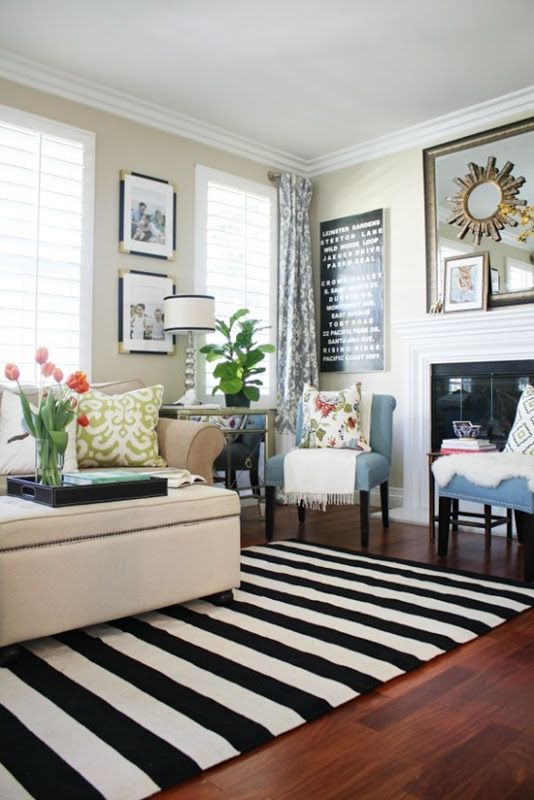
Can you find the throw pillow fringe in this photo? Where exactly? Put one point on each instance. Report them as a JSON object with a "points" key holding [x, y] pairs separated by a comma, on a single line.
{"points": [[318, 501]]}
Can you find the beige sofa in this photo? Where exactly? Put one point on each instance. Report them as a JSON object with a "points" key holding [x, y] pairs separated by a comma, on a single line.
{"points": [[183, 444], [64, 568]]}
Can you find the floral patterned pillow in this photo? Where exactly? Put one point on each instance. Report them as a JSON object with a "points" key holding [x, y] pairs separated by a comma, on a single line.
{"points": [[332, 419]]}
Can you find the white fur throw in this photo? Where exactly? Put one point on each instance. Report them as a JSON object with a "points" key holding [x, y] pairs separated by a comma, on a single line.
{"points": [[484, 469]]}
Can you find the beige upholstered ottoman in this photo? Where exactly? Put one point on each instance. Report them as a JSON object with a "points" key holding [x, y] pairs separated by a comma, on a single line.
{"points": [[61, 568]]}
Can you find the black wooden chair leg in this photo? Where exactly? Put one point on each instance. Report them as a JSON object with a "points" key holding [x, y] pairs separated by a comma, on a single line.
{"points": [[270, 492], [525, 529], [508, 523], [444, 518], [384, 502], [455, 514], [519, 526], [487, 527], [364, 518], [301, 511]]}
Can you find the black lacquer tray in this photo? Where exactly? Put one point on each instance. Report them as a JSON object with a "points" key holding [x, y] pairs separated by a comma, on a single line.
{"points": [[70, 495]]}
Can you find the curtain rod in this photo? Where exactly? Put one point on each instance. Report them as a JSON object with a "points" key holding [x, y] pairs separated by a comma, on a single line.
{"points": [[273, 175]]}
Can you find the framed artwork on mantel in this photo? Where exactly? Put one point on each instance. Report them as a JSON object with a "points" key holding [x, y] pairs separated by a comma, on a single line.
{"points": [[466, 283], [147, 216]]}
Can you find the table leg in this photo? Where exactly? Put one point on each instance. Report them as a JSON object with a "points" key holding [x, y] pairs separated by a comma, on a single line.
{"points": [[431, 502], [443, 525]]}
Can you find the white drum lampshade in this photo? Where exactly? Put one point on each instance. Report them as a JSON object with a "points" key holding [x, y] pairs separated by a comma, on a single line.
{"points": [[189, 313]]}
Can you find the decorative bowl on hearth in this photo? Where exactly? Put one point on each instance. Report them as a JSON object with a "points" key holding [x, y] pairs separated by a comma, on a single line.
{"points": [[464, 429]]}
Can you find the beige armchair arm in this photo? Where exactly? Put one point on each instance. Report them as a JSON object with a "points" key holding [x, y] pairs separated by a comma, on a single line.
{"points": [[190, 445]]}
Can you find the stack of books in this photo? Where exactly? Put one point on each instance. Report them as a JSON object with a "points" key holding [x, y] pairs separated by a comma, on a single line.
{"points": [[467, 445]]}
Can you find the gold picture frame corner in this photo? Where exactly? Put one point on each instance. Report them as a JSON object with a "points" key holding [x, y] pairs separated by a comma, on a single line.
{"points": [[122, 349], [123, 249], [123, 173]]}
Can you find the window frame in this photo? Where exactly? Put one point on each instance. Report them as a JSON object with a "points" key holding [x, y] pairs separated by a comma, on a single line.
{"points": [[203, 175], [43, 125]]}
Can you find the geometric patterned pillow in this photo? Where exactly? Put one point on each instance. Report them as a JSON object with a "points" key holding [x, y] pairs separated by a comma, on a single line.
{"points": [[332, 419], [521, 438], [122, 430]]}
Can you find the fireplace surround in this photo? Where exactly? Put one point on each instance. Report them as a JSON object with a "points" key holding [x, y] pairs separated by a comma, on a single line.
{"points": [[501, 335]]}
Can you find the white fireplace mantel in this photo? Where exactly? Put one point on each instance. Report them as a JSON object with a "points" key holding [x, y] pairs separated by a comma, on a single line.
{"points": [[502, 334]]}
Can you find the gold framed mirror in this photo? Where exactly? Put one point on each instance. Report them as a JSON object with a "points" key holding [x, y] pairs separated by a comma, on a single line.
{"points": [[467, 183]]}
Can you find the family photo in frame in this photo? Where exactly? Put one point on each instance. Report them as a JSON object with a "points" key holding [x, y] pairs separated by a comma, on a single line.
{"points": [[147, 217], [466, 283], [141, 317]]}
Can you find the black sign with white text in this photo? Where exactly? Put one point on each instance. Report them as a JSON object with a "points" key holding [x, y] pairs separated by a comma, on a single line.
{"points": [[352, 293]]}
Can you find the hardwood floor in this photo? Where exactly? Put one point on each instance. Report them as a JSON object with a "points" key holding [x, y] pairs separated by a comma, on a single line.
{"points": [[461, 727]]}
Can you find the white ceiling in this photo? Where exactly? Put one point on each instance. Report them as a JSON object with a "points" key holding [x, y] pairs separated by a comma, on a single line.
{"points": [[305, 77]]}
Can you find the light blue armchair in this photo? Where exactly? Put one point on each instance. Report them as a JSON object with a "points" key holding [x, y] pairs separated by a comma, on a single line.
{"points": [[372, 469]]}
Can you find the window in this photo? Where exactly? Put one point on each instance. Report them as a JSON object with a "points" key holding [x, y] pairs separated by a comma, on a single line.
{"points": [[46, 230], [236, 256], [519, 275]]}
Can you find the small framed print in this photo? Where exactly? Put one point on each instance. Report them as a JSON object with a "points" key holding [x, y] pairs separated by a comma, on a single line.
{"points": [[147, 216], [466, 282], [141, 319]]}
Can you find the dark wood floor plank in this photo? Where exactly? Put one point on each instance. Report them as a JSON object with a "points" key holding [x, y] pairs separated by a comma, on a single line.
{"points": [[447, 775], [435, 737], [401, 707]]}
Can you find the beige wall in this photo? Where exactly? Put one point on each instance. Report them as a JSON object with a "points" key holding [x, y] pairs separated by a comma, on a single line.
{"points": [[394, 183], [122, 144]]}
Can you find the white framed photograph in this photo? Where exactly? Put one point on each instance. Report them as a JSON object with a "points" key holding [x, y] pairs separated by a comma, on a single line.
{"points": [[147, 223], [141, 318], [466, 282]]}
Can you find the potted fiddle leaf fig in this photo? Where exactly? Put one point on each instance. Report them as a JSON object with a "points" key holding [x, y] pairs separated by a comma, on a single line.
{"points": [[239, 357]]}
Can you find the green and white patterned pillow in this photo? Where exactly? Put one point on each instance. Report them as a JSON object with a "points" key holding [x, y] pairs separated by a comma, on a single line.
{"points": [[521, 437], [332, 419], [122, 430]]}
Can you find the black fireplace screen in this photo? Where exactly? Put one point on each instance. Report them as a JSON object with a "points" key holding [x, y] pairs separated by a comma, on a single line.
{"points": [[486, 393]]}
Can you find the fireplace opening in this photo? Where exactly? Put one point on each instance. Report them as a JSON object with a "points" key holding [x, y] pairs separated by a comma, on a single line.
{"points": [[486, 393]]}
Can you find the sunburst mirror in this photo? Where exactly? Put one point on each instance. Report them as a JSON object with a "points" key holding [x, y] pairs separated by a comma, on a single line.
{"points": [[478, 204]]}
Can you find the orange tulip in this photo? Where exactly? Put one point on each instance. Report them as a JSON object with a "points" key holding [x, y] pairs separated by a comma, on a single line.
{"points": [[41, 355], [78, 382], [12, 372], [83, 421], [57, 375], [48, 368]]}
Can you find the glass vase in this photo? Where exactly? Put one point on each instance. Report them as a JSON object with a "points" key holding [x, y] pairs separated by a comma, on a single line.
{"points": [[48, 463]]}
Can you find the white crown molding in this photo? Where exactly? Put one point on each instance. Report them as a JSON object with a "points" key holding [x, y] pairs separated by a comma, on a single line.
{"points": [[47, 79], [39, 76], [457, 123]]}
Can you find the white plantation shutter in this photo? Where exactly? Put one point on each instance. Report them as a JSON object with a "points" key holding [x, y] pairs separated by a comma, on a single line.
{"points": [[236, 258], [46, 219]]}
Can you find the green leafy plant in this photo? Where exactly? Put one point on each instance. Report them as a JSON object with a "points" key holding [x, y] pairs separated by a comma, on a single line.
{"points": [[239, 355]]}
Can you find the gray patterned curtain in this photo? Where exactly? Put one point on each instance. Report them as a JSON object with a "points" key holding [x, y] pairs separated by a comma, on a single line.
{"points": [[296, 350]]}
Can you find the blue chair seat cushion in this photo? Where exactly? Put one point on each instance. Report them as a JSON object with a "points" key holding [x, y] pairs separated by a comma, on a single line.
{"points": [[512, 493], [371, 470]]}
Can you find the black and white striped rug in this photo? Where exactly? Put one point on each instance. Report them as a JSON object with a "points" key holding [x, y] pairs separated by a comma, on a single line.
{"points": [[124, 709]]}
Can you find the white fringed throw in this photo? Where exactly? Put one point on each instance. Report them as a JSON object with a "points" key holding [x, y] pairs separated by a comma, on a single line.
{"points": [[320, 476], [485, 469]]}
